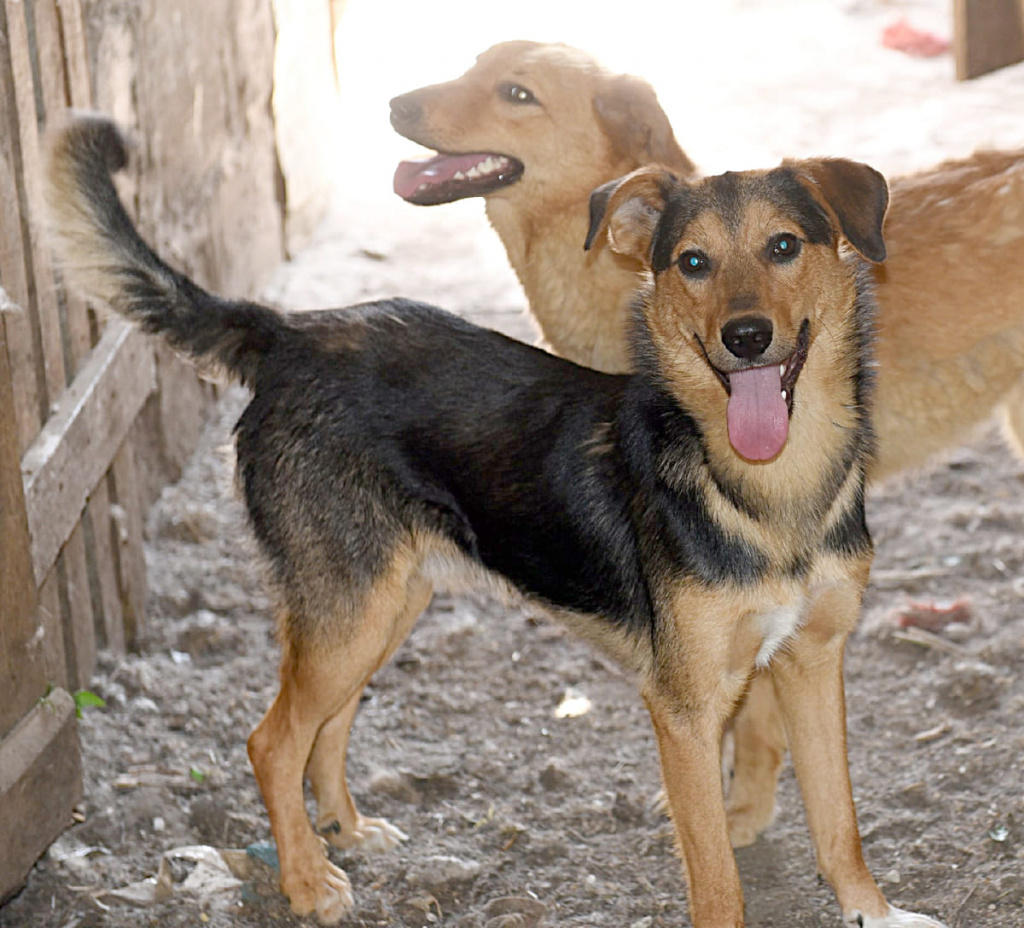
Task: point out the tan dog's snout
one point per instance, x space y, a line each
406 111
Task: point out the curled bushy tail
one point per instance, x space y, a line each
105 259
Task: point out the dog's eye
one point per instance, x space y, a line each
783 247
694 263
516 93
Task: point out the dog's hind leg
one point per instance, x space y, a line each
337 817
759 740
322 673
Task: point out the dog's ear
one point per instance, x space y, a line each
855 194
636 126
629 209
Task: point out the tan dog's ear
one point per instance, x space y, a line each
629 209
636 126
856 195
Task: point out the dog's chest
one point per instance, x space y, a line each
777 625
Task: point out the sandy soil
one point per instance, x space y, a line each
517 817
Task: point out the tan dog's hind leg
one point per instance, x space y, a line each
321 680
759 740
689 746
808 677
337 817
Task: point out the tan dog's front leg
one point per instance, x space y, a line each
689 745
808 677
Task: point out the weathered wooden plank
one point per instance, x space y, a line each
42 301
98 520
78 93
987 35
79 441
75 53
48 640
40 783
21 678
129 520
82 641
47 54
108 613
52 85
27 394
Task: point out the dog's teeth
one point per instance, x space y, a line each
488 166
473 173
458 175
782 370
783 394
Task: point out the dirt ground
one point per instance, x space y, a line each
517 817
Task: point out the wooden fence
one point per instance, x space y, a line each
94 418
72 571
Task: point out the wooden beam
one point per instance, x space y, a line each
40 783
28 391
21 678
987 35
81 439
75 57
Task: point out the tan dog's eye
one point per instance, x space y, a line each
517 93
783 248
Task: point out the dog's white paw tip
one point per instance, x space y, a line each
894 918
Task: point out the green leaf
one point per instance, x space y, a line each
196 774
84 699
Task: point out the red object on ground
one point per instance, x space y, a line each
934 617
902 37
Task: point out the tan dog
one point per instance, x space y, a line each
951 294
697 519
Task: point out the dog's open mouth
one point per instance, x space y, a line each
444 178
761 402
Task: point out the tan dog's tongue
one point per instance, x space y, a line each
757 415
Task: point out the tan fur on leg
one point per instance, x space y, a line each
337 817
809 682
689 749
321 681
759 750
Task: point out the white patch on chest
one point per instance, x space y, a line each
776 626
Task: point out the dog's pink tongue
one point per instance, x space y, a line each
411 175
757 414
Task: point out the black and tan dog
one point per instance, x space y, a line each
533 128
697 519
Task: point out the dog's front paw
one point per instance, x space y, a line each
367 834
325 892
894 918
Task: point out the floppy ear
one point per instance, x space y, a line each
629 209
636 126
857 195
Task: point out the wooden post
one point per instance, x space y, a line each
22 675
988 34
40 783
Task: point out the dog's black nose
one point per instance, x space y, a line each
405 109
747 337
